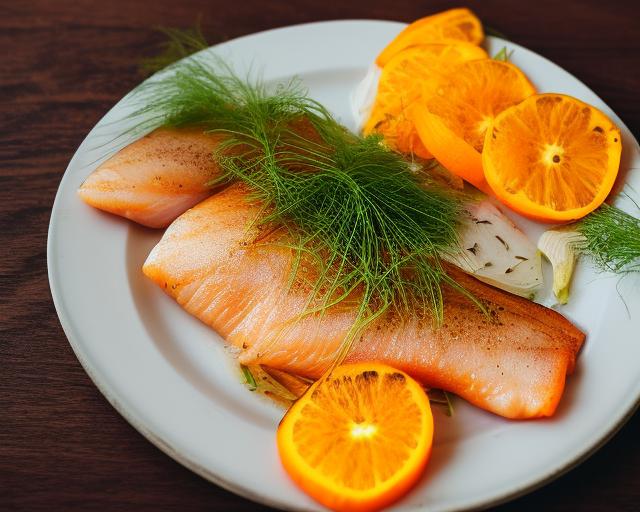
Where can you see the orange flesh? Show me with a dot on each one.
(450, 26)
(359, 439)
(553, 158)
(208, 261)
(475, 93)
(452, 122)
(411, 75)
(449, 149)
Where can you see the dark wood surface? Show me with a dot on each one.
(63, 65)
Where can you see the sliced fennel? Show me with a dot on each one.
(364, 95)
(495, 251)
(558, 246)
(609, 236)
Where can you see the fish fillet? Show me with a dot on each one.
(155, 179)
(158, 177)
(219, 265)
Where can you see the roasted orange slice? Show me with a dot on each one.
(552, 157)
(450, 26)
(409, 76)
(359, 439)
(452, 123)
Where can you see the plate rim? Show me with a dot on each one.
(132, 416)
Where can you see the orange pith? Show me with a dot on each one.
(409, 76)
(449, 26)
(452, 123)
(359, 439)
(552, 157)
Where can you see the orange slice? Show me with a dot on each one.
(552, 157)
(359, 439)
(449, 26)
(410, 75)
(452, 123)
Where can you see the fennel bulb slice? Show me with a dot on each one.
(364, 95)
(558, 246)
(494, 250)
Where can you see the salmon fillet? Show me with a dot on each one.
(218, 264)
(155, 179)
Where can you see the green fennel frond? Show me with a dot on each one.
(351, 209)
(611, 238)
(503, 55)
(180, 43)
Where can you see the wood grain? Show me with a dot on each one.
(64, 64)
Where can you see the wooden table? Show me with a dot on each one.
(64, 64)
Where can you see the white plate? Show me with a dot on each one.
(170, 377)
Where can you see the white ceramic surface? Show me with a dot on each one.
(171, 378)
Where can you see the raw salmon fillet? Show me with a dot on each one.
(155, 179)
(218, 263)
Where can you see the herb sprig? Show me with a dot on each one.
(611, 238)
(180, 43)
(353, 209)
(503, 55)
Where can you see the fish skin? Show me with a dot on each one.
(156, 178)
(219, 265)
